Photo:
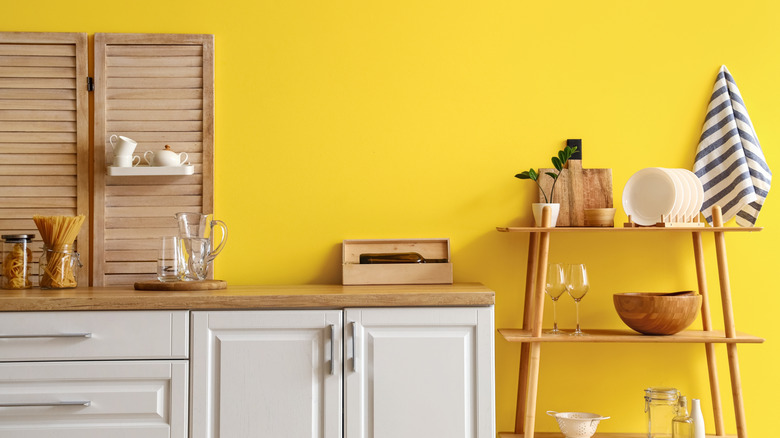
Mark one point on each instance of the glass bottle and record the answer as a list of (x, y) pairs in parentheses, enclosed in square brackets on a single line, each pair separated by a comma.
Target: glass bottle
[(59, 267), (682, 425), (398, 257), (17, 261), (661, 406)]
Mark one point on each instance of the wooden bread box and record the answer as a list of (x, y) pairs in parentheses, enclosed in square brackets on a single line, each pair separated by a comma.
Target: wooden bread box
[(354, 273)]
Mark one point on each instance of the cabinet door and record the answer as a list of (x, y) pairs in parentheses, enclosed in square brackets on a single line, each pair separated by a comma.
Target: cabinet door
[(422, 372), (129, 399), (266, 374)]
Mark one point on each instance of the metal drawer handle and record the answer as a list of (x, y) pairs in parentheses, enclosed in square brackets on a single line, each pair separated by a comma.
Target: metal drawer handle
[(56, 335), (38, 404), (332, 349), (354, 346)]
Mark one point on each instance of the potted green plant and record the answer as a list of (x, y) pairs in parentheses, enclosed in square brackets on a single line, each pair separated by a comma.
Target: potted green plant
[(558, 162)]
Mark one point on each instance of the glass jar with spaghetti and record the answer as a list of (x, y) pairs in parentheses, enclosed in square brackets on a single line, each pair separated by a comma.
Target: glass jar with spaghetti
[(59, 267), (17, 261)]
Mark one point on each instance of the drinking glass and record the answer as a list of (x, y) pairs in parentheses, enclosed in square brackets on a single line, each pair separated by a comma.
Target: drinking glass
[(577, 286), (554, 287), (170, 261)]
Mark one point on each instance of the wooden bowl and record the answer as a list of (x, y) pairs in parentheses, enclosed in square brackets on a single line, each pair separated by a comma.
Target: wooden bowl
[(599, 217), (657, 313)]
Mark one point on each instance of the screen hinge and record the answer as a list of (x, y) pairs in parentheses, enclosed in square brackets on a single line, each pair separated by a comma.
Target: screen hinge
[(90, 84)]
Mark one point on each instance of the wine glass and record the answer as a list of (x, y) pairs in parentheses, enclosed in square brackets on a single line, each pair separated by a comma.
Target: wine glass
[(577, 286), (554, 287)]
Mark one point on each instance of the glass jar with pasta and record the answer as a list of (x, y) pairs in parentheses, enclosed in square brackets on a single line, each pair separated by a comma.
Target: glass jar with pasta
[(17, 261), (59, 267)]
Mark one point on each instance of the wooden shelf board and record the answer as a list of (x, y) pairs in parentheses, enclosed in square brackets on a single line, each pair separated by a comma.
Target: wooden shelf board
[(623, 229), (629, 336), (597, 435)]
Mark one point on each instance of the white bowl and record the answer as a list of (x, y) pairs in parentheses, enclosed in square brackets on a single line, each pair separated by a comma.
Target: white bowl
[(577, 424)]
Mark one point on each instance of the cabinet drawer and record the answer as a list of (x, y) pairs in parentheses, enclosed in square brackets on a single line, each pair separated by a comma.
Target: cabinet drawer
[(144, 399), (93, 335)]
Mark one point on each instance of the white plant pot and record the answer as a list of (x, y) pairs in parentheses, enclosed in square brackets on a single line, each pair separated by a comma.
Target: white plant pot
[(537, 208)]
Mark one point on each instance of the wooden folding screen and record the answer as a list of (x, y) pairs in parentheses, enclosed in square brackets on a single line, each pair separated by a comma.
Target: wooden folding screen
[(156, 89), (44, 133)]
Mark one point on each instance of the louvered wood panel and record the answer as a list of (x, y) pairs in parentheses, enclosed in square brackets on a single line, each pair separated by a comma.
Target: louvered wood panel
[(156, 89), (44, 133)]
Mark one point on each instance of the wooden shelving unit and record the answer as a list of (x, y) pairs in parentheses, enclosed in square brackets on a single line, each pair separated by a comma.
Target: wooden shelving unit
[(531, 337)]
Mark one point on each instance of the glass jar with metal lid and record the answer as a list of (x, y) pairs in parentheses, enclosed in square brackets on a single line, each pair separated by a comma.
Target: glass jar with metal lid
[(661, 406), (17, 261)]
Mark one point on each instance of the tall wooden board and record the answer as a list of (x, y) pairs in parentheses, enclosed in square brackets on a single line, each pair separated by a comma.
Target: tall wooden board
[(576, 190)]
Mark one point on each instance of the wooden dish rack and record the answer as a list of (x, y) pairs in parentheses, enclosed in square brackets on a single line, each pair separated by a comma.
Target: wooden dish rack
[(531, 337)]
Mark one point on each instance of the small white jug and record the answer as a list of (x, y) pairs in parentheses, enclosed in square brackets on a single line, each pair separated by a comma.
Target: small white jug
[(124, 146), (165, 157)]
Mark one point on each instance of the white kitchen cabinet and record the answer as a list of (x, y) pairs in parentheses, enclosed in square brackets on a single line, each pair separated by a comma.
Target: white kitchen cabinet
[(274, 373), (56, 381), (419, 373), (89, 335), (93, 399)]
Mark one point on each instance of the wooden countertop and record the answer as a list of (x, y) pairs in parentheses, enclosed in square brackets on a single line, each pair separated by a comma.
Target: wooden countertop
[(248, 297)]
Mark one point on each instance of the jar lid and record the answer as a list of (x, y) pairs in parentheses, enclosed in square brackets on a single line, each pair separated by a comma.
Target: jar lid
[(662, 393), (18, 237)]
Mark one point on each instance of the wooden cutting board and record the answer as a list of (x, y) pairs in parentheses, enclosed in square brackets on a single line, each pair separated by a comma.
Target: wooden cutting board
[(181, 285), (578, 189)]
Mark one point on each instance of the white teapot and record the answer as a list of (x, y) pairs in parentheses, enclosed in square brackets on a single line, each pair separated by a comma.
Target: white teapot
[(165, 157)]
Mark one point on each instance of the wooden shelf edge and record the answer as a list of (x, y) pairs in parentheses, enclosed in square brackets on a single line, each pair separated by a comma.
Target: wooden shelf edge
[(623, 229), (629, 336), (597, 435)]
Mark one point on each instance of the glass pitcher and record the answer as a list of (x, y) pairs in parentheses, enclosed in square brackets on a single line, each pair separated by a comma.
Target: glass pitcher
[(197, 235), (661, 406)]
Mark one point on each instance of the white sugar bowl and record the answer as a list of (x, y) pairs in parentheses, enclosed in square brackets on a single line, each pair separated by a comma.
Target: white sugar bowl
[(166, 157)]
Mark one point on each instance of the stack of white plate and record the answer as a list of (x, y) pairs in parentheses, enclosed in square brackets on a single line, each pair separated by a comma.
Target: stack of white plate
[(656, 194)]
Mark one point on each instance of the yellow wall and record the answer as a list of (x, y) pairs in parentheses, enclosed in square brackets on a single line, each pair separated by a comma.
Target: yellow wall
[(408, 118)]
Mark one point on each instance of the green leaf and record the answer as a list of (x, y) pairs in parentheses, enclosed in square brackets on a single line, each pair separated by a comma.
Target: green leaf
[(553, 175), (533, 174), (523, 175), (562, 156), (557, 163)]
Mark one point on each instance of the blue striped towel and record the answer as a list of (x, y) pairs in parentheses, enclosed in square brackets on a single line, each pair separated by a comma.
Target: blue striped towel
[(729, 161)]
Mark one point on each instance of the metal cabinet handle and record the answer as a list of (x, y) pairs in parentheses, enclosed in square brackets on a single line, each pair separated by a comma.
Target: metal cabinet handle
[(354, 346), (37, 404), (56, 335), (332, 349)]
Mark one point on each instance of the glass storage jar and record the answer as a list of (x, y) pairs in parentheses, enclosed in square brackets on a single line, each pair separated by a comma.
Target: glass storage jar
[(59, 267), (17, 261), (661, 406), (682, 425)]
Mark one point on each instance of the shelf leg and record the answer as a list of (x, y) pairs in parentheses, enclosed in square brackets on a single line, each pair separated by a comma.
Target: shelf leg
[(538, 311), (706, 319), (533, 386), (522, 381), (728, 319)]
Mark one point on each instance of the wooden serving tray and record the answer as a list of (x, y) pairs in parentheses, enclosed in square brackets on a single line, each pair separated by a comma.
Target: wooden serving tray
[(181, 285)]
